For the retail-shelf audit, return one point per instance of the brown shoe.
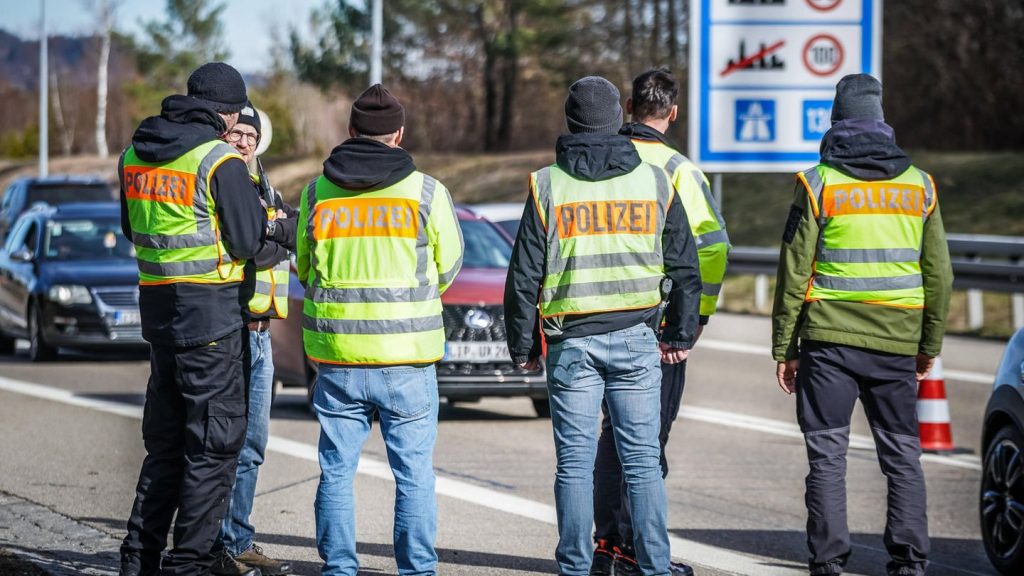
(225, 565)
(268, 566)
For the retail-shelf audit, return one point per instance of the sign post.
(763, 76)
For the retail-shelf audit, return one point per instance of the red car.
(476, 362)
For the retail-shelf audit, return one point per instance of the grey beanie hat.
(857, 96)
(219, 86)
(593, 107)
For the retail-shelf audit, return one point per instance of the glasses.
(237, 136)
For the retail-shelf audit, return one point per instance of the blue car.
(68, 278)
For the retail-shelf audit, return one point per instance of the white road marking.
(766, 351)
(693, 551)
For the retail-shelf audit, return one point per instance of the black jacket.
(594, 158)
(185, 314)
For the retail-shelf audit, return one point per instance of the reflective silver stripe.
(422, 256)
(314, 277)
(321, 295)
(200, 239)
(665, 193)
(929, 192)
(606, 288)
(542, 184)
(190, 268)
(449, 276)
(817, 189)
(867, 255)
(616, 260)
(698, 176)
(869, 284)
(711, 238)
(711, 289)
(673, 163)
(396, 326)
(280, 289)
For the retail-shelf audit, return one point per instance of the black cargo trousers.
(193, 428)
(612, 519)
(829, 381)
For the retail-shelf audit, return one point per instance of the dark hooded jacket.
(187, 314)
(864, 149)
(594, 158)
(365, 164)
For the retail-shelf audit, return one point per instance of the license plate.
(127, 318)
(477, 352)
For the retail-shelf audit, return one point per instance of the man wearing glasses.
(266, 289)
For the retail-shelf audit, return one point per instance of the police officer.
(860, 310)
(599, 234)
(187, 206)
(653, 108)
(379, 242)
(266, 285)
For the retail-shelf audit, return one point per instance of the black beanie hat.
(376, 112)
(219, 86)
(593, 106)
(857, 96)
(248, 115)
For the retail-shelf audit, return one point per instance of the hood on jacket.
(594, 157)
(641, 131)
(365, 164)
(183, 124)
(864, 148)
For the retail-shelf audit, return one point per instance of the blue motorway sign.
(763, 75)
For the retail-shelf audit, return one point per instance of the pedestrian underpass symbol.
(755, 120)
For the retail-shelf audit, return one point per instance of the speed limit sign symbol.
(823, 55)
(824, 5)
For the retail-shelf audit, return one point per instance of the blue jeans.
(236, 533)
(624, 369)
(406, 399)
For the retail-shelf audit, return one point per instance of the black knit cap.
(593, 107)
(248, 115)
(219, 86)
(857, 96)
(376, 112)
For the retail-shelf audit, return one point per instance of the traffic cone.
(933, 412)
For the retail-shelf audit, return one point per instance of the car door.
(12, 316)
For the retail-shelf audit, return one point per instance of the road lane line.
(693, 551)
(766, 351)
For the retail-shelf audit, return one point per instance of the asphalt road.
(70, 443)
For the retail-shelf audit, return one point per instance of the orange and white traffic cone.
(933, 412)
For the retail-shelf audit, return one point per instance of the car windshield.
(92, 239)
(485, 246)
(57, 194)
(511, 227)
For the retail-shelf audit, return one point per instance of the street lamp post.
(44, 144)
(377, 51)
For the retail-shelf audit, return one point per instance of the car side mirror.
(21, 255)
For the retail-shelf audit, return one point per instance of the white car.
(504, 214)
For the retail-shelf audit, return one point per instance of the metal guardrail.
(980, 262)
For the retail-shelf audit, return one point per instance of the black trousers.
(830, 380)
(612, 519)
(193, 428)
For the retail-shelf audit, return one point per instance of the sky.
(261, 17)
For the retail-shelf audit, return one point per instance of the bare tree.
(105, 12)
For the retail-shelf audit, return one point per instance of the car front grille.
(126, 333)
(455, 327)
(477, 369)
(119, 297)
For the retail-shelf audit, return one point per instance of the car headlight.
(66, 294)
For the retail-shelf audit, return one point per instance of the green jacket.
(883, 328)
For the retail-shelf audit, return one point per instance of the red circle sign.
(824, 5)
(823, 55)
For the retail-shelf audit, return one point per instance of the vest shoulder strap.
(812, 182)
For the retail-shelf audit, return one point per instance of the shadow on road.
(949, 556)
(295, 407)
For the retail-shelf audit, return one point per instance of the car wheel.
(1002, 501)
(542, 407)
(38, 349)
